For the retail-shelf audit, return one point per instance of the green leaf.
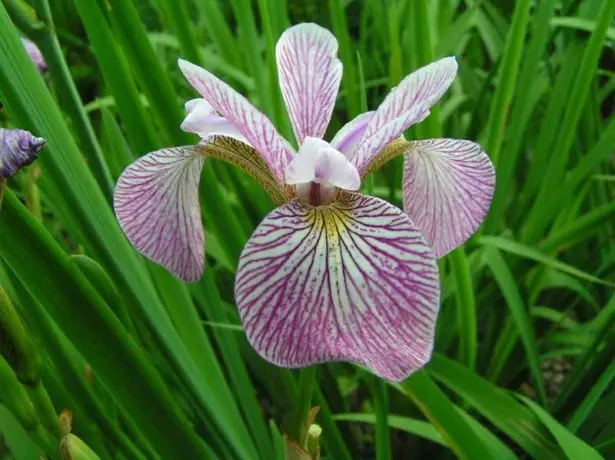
(497, 405)
(520, 314)
(528, 252)
(574, 447)
(439, 410)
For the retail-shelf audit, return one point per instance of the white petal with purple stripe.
(201, 119)
(250, 122)
(310, 75)
(351, 281)
(406, 105)
(448, 186)
(347, 139)
(156, 201)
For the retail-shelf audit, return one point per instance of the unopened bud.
(35, 55)
(313, 441)
(18, 148)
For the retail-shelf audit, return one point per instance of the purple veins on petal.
(156, 201)
(310, 75)
(35, 55)
(448, 186)
(352, 281)
(18, 148)
(347, 139)
(253, 125)
(406, 105)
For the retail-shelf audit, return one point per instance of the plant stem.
(299, 426)
(381, 404)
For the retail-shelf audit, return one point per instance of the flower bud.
(18, 148)
(35, 55)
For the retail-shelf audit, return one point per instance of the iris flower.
(330, 274)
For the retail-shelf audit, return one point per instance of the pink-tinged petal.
(201, 119)
(448, 187)
(310, 75)
(372, 144)
(156, 201)
(35, 55)
(251, 123)
(406, 105)
(18, 148)
(351, 281)
(347, 139)
(317, 161)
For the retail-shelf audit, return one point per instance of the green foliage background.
(152, 368)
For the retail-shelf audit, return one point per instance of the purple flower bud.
(35, 55)
(18, 148)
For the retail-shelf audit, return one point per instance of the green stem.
(381, 404)
(33, 197)
(299, 427)
(466, 307)
(2, 185)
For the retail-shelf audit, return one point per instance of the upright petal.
(156, 201)
(310, 75)
(347, 139)
(448, 187)
(406, 105)
(251, 123)
(352, 281)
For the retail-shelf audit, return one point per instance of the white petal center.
(318, 162)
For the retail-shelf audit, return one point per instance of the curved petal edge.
(156, 201)
(351, 281)
(448, 186)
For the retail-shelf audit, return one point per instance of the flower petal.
(201, 119)
(35, 54)
(352, 281)
(448, 187)
(407, 104)
(250, 122)
(310, 75)
(18, 148)
(156, 201)
(318, 161)
(373, 144)
(347, 139)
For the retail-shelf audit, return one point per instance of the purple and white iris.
(331, 274)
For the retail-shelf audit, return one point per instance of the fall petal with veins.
(448, 186)
(156, 201)
(352, 281)
(310, 75)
